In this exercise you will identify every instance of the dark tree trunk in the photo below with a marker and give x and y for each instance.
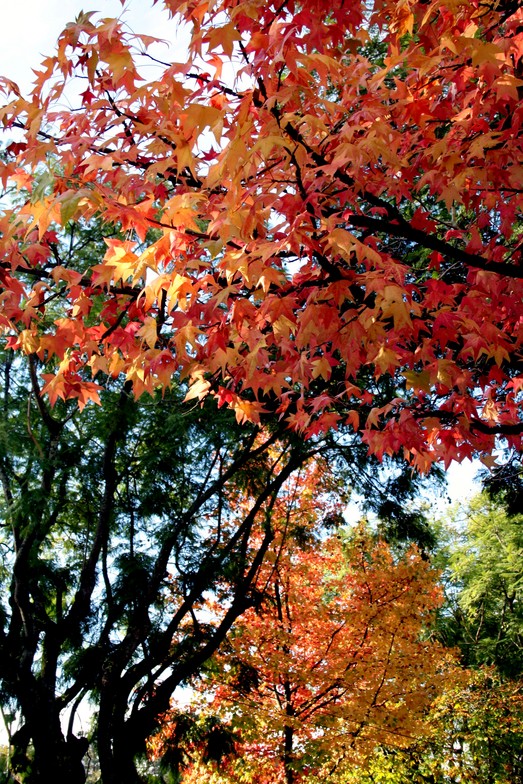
(54, 758)
(288, 757)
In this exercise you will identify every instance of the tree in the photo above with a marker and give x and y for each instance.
(475, 728)
(321, 254)
(484, 578)
(116, 521)
(335, 660)
(474, 733)
(339, 232)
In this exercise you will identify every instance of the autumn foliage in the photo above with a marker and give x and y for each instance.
(336, 660)
(316, 215)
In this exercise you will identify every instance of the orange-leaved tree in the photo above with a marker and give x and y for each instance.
(335, 192)
(336, 659)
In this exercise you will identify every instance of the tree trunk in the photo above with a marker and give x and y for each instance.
(288, 755)
(54, 758)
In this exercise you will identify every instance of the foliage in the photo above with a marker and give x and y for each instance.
(334, 661)
(115, 521)
(337, 226)
(485, 586)
(471, 732)
(326, 244)
(475, 727)
(504, 483)
(476, 735)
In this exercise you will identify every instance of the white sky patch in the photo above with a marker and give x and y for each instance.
(462, 486)
(29, 30)
(461, 477)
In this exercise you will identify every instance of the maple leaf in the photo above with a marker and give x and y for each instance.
(199, 388)
(149, 331)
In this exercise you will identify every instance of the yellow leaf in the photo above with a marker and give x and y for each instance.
(28, 341)
(418, 380)
(198, 390)
(342, 242)
(386, 360)
(149, 331)
(198, 116)
(321, 367)
(120, 256)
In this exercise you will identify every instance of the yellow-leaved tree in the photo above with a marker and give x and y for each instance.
(336, 659)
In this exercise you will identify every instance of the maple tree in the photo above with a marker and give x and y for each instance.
(475, 734)
(331, 663)
(472, 730)
(337, 224)
(329, 240)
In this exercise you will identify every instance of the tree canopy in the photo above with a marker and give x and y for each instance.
(337, 224)
(474, 729)
(328, 677)
(335, 660)
(114, 523)
(485, 574)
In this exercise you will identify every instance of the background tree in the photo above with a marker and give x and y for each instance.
(485, 571)
(474, 734)
(475, 729)
(275, 682)
(335, 660)
(103, 509)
